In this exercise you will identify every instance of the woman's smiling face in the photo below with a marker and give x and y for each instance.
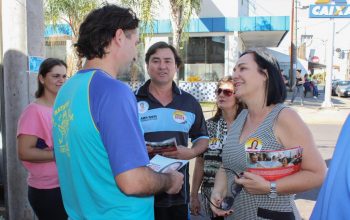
(248, 80)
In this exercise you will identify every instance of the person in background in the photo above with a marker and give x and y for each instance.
(274, 162)
(228, 107)
(99, 146)
(334, 197)
(285, 78)
(314, 86)
(298, 88)
(35, 146)
(254, 160)
(285, 162)
(307, 84)
(171, 112)
(259, 85)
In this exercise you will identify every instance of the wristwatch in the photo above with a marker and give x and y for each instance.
(273, 190)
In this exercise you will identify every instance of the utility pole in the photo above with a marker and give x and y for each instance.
(1, 109)
(293, 50)
(327, 90)
(317, 11)
(23, 25)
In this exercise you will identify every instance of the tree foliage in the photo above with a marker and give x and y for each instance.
(180, 14)
(72, 12)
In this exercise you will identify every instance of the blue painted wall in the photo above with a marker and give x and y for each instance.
(204, 25)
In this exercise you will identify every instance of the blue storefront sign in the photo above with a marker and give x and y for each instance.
(323, 9)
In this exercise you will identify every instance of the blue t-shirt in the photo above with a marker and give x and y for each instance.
(333, 200)
(97, 136)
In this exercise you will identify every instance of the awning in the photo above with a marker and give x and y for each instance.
(259, 31)
(262, 38)
(263, 31)
(313, 65)
(255, 31)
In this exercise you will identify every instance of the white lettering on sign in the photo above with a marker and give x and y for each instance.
(341, 11)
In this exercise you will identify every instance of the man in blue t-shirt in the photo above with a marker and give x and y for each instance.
(98, 141)
(334, 197)
(165, 112)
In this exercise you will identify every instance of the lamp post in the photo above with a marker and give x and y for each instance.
(318, 11)
(294, 41)
(293, 51)
(327, 90)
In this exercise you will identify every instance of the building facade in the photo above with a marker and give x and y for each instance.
(216, 37)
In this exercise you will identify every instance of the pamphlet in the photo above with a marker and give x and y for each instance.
(164, 164)
(274, 164)
(161, 147)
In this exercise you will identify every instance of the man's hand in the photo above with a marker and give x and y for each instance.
(195, 205)
(182, 153)
(149, 149)
(177, 180)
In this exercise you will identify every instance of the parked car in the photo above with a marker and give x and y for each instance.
(343, 88)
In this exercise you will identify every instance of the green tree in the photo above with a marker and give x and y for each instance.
(180, 14)
(71, 12)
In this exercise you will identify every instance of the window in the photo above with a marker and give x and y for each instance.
(204, 57)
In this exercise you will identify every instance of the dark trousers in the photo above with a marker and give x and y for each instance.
(315, 91)
(177, 212)
(297, 91)
(47, 203)
(218, 218)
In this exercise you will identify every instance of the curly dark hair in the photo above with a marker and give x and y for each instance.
(99, 27)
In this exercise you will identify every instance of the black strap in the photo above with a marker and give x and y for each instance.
(275, 215)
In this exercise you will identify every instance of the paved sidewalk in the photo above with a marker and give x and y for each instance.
(313, 113)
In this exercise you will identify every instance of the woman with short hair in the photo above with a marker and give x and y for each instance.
(259, 84)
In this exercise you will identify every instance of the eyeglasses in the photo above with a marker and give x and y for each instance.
(227, 202)
(227, 92)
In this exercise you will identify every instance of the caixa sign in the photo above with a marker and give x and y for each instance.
(330, 9)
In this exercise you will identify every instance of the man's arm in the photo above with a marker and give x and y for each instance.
(200, 146)
(184, 153)
(198, 173)
(143, 181)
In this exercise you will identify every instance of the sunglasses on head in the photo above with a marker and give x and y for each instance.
(227, 202)
(227, 92)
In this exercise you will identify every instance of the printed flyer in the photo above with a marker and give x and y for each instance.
(164, 164)
(273, 165)
(161, 147)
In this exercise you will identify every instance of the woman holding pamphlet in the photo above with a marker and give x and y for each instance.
(278, 130)
(35, 145)
(228, 107)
